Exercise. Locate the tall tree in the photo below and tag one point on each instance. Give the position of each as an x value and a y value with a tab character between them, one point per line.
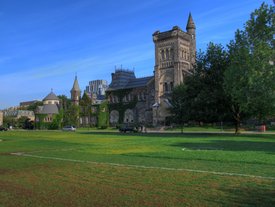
202	97
85	108
250	78
179	104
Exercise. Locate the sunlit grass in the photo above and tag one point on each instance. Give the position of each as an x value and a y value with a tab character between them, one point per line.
29	181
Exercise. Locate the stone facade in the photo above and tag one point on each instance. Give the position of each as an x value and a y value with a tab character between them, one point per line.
1	118
75	92
175	52
130	98
19	113
49	109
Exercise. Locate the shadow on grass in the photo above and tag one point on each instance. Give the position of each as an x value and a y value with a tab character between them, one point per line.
248	196
183	135
229	145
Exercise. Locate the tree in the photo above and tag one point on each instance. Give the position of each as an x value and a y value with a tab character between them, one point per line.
25	123
85	107
250	78
103	115
71	116
202	97
34	105
65	102
179	105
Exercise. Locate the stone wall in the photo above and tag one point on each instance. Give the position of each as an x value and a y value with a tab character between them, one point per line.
1	118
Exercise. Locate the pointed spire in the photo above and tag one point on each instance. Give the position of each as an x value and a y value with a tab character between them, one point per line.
190	23
76	85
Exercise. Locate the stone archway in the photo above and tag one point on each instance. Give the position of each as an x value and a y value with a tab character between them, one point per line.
114	117
128	116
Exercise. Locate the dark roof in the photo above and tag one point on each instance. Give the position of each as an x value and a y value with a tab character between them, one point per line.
190	23
138	82
76	85
132	83
48	109
51	96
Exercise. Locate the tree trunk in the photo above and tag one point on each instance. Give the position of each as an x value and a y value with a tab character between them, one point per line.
237	117
237	124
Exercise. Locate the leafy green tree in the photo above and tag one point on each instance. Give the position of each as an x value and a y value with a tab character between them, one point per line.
250	78
202	97
65	102
71	116
103	115
10	121
34	106
25	123
179	104
85	107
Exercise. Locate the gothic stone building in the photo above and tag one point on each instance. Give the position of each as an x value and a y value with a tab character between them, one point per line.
130	98
147	100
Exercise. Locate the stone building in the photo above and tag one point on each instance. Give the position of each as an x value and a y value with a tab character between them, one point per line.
19	113
75	92
147	100
1	118
130	98
175	52
49	109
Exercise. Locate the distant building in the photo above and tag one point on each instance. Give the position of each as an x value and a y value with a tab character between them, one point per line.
96	90
1	118
26	104
97	87
19	113
75	92
50	108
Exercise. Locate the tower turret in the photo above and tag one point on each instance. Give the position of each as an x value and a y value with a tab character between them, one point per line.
75	92
191	30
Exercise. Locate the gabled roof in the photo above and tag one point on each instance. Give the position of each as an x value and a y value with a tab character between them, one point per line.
51	96
76	85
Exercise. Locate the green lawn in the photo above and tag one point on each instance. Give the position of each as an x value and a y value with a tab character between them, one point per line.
80	169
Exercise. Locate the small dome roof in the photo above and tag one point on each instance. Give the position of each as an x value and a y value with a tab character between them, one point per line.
51	96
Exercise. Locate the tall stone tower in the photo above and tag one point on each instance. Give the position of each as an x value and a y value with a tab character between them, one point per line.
75	92
175	52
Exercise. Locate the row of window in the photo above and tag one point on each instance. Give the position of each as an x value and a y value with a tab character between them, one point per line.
128	98
52	102
167	54
185	55
168	86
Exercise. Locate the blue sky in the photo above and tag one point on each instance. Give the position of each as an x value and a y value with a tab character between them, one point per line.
45	43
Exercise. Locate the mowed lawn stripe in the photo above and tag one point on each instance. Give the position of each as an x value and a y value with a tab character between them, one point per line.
144	167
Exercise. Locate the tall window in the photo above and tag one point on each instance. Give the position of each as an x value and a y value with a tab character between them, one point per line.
165	87
171	86
162	55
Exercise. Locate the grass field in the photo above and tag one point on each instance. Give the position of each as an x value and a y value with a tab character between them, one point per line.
90	168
